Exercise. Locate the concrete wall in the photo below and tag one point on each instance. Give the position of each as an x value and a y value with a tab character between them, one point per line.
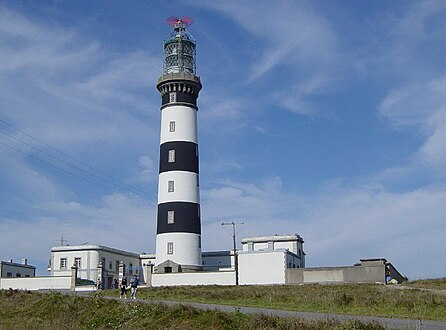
348	274
36	283
198	278
266	267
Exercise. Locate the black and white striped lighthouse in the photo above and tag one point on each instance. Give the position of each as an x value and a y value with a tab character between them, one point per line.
178	240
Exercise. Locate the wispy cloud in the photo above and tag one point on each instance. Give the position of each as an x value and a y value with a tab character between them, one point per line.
423	108
292	39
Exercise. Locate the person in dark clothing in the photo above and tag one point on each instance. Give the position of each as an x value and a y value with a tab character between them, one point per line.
123	287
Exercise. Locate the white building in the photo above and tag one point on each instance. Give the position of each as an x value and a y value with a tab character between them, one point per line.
293	244
93	262
10	269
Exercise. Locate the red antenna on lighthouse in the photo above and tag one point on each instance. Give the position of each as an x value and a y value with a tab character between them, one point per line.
172	20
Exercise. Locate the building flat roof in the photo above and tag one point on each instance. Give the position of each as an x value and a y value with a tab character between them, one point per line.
275	238
16	264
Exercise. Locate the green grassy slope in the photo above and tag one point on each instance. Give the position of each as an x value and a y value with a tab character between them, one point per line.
353	299
25	310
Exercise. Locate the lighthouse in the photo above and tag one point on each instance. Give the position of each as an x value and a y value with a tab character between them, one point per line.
178	239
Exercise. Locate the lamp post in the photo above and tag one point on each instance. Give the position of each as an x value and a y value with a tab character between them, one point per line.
233	224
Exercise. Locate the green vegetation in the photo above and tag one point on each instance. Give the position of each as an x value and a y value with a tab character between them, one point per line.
25	310
436	284
352	299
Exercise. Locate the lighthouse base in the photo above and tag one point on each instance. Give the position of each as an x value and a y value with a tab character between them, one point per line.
170	266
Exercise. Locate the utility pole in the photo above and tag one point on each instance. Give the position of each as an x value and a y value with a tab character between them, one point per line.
233	224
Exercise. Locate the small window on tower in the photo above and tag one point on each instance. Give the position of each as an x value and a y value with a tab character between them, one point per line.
171	156
169	247
171	186
170	217
172	126
173	97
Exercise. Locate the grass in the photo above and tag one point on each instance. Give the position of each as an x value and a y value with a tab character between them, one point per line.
435	284
352	299
25	310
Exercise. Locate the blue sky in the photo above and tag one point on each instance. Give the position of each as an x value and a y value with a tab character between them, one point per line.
322	118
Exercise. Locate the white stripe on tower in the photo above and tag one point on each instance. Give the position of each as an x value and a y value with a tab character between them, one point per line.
178	237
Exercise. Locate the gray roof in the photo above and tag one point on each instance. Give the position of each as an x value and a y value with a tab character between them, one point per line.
275	238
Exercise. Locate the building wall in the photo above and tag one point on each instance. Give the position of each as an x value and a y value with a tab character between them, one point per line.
8	269
267	267
198	278
291	245
293	261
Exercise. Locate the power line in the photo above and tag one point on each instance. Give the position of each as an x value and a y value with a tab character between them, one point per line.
61	169
70	164
121	185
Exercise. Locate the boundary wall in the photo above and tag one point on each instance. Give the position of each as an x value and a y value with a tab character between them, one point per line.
367	271
36	283
203	278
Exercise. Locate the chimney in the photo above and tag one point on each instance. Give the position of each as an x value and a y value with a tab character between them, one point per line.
25	261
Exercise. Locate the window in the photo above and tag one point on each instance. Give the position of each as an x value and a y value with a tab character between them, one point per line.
63	262
130	268
172	126
171	156
8	274
171	186
103	262
170	217
18	275
77	262
110	265
27	276
170	248
117	266
173	97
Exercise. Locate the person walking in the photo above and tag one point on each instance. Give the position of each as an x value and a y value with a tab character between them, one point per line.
134	286
123	287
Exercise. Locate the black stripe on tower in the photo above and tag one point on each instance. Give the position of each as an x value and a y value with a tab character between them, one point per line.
178	156
185	218
180	97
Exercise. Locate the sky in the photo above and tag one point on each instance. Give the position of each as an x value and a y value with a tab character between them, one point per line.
322	118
